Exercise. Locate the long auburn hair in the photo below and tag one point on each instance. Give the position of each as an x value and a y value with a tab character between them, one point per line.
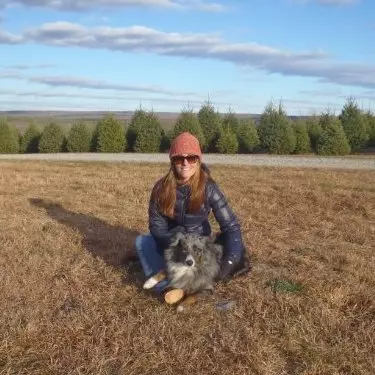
165	191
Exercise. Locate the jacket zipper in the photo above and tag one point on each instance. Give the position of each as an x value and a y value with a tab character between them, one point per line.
183	211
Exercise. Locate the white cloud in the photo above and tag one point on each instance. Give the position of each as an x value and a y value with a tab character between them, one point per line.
8	38
81	5
338	2
204	6
140	39
330	2
79	82
55	99
87	83
144	39
29	66
322	92
365	95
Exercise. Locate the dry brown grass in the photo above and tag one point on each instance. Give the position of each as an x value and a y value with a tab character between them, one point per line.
70	304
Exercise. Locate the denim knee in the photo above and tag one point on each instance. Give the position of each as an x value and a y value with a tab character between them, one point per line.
149	254
147	241
139	241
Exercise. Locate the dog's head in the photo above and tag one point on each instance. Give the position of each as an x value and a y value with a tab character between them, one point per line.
193	250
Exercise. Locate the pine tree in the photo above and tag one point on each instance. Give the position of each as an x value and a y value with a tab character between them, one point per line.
232	121
79	138
314	130
303	144
51	139
148	134
165	142
275	131
211	123
354	125
9	141
30	140
332	140
94	147
370	125
247	136
111	135
188	122
138	119
227	142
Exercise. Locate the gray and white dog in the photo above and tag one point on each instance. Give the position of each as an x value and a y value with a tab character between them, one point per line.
193	262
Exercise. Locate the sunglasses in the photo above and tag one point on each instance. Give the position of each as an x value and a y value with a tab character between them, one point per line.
179	159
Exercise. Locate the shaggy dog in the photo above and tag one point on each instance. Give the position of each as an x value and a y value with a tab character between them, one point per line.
193	262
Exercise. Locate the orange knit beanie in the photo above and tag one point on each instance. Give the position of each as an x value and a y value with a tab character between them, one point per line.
185	143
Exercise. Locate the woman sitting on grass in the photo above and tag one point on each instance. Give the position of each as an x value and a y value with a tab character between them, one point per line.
181	202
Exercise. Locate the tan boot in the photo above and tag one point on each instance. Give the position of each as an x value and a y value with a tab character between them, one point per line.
173	296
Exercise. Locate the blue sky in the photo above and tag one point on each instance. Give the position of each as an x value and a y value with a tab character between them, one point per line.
166	55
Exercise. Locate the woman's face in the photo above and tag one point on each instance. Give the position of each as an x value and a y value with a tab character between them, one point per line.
185	166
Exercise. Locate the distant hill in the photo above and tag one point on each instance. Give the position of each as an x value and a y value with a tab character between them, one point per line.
21	119
94	115
98	114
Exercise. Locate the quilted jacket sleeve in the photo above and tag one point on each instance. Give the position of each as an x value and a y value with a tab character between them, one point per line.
159	224
228	222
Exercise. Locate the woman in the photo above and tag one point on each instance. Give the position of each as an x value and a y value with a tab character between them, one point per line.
181	202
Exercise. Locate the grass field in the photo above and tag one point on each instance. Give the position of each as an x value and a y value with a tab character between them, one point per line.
71	303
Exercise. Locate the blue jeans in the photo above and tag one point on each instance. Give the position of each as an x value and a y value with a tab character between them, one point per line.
152	259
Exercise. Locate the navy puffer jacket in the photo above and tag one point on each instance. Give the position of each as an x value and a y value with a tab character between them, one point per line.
163	228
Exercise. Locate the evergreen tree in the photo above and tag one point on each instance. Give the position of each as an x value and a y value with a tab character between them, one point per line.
94	147
148	134
79	138
370	125
138	119
17	135
188	122
354	125
30	140
51	139
227	142
332	140
111	135
231	120
303	145
247	136
9	141
314	130
166	137
275	131
210	122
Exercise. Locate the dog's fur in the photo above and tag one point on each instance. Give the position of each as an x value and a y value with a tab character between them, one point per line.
193	262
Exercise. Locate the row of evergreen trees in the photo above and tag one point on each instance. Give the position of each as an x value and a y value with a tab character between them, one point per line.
326	134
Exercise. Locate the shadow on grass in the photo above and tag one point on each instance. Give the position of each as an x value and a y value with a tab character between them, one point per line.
113	244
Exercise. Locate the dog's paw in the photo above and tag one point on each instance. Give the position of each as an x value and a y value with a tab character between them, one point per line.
188	301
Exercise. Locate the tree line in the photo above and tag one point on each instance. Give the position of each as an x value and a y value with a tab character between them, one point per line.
325	134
